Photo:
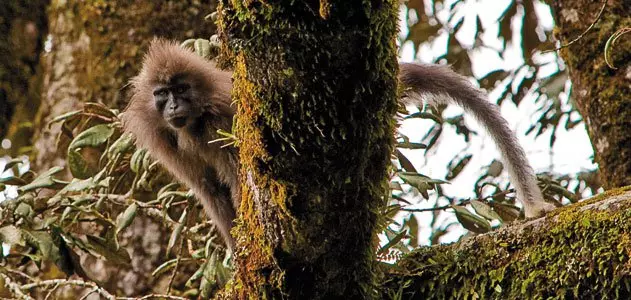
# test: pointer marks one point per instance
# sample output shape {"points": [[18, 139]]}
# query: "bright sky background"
{"points": [[571, 153]]}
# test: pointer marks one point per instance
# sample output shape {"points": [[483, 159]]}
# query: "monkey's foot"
{"points": [[538, 209]]}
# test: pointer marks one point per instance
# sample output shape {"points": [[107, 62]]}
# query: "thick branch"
{"points": [[578, 251]]}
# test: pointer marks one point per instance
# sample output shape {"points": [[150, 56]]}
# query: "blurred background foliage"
{"points": [[87, 205]]}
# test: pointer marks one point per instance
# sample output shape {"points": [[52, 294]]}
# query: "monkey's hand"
{"points": [[538, 209]]}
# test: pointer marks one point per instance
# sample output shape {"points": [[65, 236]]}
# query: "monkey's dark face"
{"points": [[174, 100]]}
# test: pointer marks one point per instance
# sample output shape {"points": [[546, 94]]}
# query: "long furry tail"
{"points": [[439, 84]]}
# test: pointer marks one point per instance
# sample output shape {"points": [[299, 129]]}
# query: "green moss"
{"points": [[316, 91], [580, 254]]}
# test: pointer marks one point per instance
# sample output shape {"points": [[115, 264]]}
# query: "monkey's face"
{"points": [[174, 100]]}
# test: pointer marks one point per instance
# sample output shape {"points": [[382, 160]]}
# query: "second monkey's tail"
{"points": [[439, 84]]}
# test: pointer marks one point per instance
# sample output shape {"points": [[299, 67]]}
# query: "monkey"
{"points": [[179, 101]]}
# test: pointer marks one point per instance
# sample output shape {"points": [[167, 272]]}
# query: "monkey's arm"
{"points": [[442, 85]]}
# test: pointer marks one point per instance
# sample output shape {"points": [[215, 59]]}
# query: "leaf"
{"points": [[78, 185], [11, 235], [12, 180], [197, 275], [106, 249], [406, 164], [395, 240], [78, 166], [484, 210], [208, 278], [470, 221], [136, 161], [120, 146], [177, 232], [14, 162], [99, 110], [421, 182], [43, 242], [412, 224], [454, 171], [92, 137], [124, 219], [507, 212], [64, 117], [45, 180], [410, 145], [166, 266]]}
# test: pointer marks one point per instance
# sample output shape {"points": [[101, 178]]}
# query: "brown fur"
{"points": [[211, 172], [442, 85]]}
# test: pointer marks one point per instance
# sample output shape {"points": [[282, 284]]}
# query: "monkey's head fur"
{"points": [[175, 91]]}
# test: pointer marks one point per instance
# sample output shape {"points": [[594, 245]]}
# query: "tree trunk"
{"points": [[600, 93], [316, 88], [23, 27]]}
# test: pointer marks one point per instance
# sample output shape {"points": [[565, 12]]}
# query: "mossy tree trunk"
{"points": [[315, 83], [601, 94], [96, 47]]}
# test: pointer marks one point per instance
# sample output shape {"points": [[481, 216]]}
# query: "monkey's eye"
{"points": [[181, 89], [161, 93]]}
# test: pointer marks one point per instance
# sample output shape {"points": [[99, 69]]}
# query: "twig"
{"points": [[580, 36], [152, 296], [14, 288], [60, 282]]}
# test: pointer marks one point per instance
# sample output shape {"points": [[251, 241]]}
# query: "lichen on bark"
{"points": [[315, 83], [600, 94]]}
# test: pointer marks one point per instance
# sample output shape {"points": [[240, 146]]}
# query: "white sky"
{"points": [[571, 153]]}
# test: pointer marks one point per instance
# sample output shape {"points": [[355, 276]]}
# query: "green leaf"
{"points": [[43, 242], [412, 224], [12, 180], [166, 266], [120, 146], [410, 145], [108, 250], [395, 240], [78, 166], [45, 180], [124, 219], [421, 182], [471, 221], [136, 161], [69, 115], [507, 212], [177, 232], [484, 210], [92, 137]]}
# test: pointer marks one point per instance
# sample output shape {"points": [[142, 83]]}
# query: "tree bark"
{"points": [[316, 88], [577, 252], [600, 93], [23, 27]]}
